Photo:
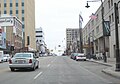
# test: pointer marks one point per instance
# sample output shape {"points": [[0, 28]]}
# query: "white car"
{"points": [[24, 61], [80, 56], [6, 57], [1, 59]]}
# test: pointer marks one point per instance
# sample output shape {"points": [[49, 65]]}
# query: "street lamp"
{"points": [[87, 6], [117, 35]]}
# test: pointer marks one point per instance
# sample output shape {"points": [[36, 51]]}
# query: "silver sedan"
{"points": [[23, 60]]}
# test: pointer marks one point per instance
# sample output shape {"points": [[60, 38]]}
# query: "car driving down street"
{"points": [[23, 60]]}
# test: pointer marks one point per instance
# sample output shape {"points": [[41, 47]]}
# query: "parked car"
{"points": [[23, 61], [1, 56], [6, 57], [80, 56], [73, 55], [1, 59]]}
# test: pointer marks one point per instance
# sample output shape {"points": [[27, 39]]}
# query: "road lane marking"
{"points": [[38, 75], [48, 65]]}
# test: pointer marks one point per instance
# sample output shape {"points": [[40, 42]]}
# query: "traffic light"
{"points": [[12, 48]]}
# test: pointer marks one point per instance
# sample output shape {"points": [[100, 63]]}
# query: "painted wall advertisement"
{"points": [[2, 39]]}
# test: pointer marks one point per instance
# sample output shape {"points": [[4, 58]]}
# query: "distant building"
{"points": [[11, 30], [72, 38], [25, 11], [40, 41]]}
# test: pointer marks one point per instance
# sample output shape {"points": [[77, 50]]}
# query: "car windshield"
{"points": [[22, 55], [74, 54]]}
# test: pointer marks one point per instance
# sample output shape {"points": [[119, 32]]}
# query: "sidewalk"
{"points": [[111, 69]]}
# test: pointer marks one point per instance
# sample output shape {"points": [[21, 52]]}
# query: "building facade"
{"points": [[11, 27], [25, 11], [93, 38], [72, 40], [40, 41]]}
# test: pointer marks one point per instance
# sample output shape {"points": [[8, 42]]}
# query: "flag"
{"points": [[80, 21], [80, 18], [93, 16]]}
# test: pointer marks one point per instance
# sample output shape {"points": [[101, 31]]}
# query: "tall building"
{"points": [[40, 40], [72, 37], [25, 11]]}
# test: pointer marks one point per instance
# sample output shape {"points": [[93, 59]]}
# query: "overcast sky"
{"points": [[54, 16]]}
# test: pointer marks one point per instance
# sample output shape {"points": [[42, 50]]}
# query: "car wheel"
{"points": [[37, 66], [12, 69], [33, 69]]}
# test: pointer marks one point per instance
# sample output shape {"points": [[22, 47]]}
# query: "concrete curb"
{"points": [[106, 64], [110, 72]]}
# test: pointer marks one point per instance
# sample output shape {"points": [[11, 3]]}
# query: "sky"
{"points": [[54, 16]]}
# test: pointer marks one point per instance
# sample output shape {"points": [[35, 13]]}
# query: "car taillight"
{"points": [[30, 60], [10, 61]]}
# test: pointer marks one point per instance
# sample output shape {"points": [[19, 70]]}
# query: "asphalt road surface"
{"points": [[58, 70]]}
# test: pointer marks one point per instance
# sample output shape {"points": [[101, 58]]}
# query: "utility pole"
{"points": [[117, 36], [80, 34]]}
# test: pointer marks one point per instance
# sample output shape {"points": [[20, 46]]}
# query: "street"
{"points": [[58, 70]]}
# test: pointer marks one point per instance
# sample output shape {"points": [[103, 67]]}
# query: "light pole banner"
{"points": [[106, 30]]}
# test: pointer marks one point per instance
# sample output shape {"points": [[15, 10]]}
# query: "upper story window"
{"points": [[111, 2], [22, 11], [5, 5], [23, 19], [22, 3], [10, 4], [108, 3], [16, 4], [5, 12], [103, 11], [97, 18], [39, 36], [97, 29], [112, 17], [10, 12], [23, 26], [92, 22], [92, 33], [16, 11], [89, 27], [38, 31]]}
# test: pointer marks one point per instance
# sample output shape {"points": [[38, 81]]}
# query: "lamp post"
{"points": [[80, 34], [117, 36], [102, 11]]}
